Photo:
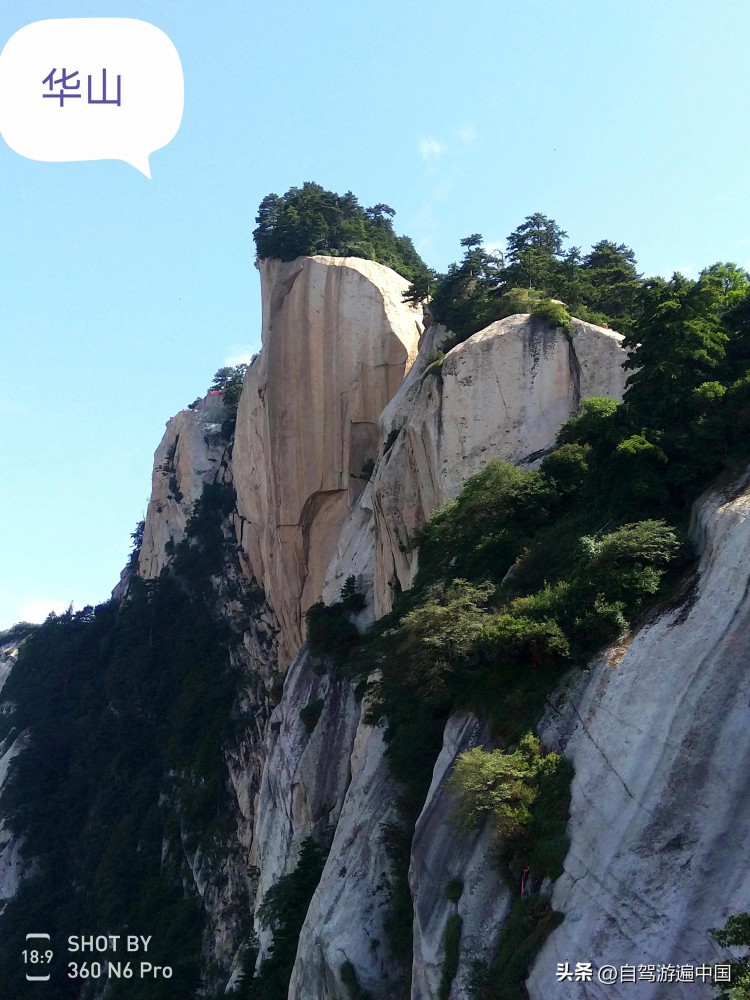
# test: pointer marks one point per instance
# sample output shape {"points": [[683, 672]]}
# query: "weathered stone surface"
{"points": [[337, 340], [306, 774], [345, 920], [441, 854], [11, 863], [189, 455], [660, 814], [503, 393]]}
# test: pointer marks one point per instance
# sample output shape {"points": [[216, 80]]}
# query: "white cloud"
{"points": [[430, 148], [467, 132]]}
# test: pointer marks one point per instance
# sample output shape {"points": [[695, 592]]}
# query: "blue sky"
{"points": [[120, 296]]}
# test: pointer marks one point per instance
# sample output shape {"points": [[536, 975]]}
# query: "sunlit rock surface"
{"points": [[660, 816], [189, 455], [337, 341]]}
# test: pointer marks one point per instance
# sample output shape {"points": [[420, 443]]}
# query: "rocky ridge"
{"points": [[345, 444]]}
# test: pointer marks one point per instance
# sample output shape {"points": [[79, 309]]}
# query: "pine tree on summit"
{"points": [[534, 249]]}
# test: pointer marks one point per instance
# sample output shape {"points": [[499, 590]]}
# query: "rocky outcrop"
{"points": [[441, 859], [189, 455], [337, 341], [435, 433], [308, 768], [660, 813], [11, 863], [503, 393], [345, 922]]}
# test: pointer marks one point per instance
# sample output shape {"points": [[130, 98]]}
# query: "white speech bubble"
{"points": [[40, 124]]}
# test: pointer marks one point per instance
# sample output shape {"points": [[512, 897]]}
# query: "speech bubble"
{"points": [[90, 88]]}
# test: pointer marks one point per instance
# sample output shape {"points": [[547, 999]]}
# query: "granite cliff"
{"points": [[351, 430]]}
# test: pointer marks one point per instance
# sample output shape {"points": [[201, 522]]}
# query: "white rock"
{"points": [[190, 454], [442, 853], [660, 816]]}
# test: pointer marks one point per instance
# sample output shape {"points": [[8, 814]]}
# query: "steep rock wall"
{"points": [[189, 455], [660, 813], [503, 393], [416, 471], [11, 862], [337, 341], [441, 855]]}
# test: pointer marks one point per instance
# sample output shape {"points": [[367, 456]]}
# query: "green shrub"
{"points": [[735, 934], [283, 912], [310, 714], [351, 982], [519, 300], [553, 313], [454, 890], [529, 924], [451, 954], [433, 364], [496, 785], [440, 637], [391, 439], [330, 632]]}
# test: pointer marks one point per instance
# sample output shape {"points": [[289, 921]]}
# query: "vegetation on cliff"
{"points": [[310, 220], [124, 779], [523, 576], [526, 574], [484, 286]]}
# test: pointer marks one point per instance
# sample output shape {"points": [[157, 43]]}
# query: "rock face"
{"points": [[503, 393], [660, 814], [189, 455], [11, 863], [440, 856], [337, 341]]}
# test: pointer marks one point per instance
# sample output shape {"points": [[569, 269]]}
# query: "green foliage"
{"points": [[529, 924], [440, 637], [330, 632], [466, 298], [533, 250], [486, 527], [553, 313], [145, 691], [351, 982], [310, 220], [351, 600], [283, 912], [454, 890], [735, 934], [229, 380], [602, 287], [679, 344], [310, 714], [399, 920], [451, 954], [501, 786], [433, 364], [391, 439]]}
